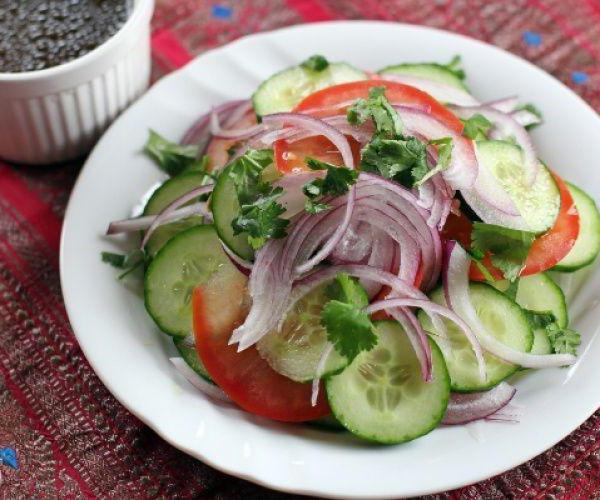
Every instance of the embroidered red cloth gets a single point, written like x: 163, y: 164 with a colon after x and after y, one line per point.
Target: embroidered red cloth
x: 72, y: 438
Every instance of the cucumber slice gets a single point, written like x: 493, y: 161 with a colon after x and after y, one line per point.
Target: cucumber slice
x: 285, y: 89
x: 538, y: 204
x: 296, y: 349
x: 429, y: 71
x: 171, y: 190
x: 541, y: 342
x: 587, y: 246
x: 190, y: 356
x: 502, y: 318
x: 539, y: 293
x: 381, y: 396
x: 191, y: 258
x: 225, y: 207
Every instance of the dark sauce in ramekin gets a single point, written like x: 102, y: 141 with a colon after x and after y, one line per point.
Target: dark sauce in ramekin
x: 39, y: 34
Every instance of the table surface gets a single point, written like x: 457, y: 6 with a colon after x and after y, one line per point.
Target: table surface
x: 71, y: 438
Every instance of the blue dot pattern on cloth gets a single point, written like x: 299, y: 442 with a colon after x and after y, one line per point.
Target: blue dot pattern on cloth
x: 8, y: 456
x: 221, y: 11
x: 579, y: 77
x: 532, y: 38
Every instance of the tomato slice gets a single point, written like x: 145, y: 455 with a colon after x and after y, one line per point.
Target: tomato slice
x: 244, y: 376
x: 291, y: 157
x: 336, y: 100
x: 546, y: 251
x: 553, y: 246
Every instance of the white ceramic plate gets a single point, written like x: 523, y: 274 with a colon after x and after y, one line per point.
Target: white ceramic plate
x: 131, y: 356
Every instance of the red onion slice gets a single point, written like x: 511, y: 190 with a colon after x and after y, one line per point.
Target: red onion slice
x: 319, y: 370
x: 505, y: 104
x: 456, y: 287
x: 462, y: 172
x: 465, y: 408
x: 145, y: 221
x: 199, y: 132
x: 525, y: 118
x: 198, y: 382
x: 233, y: 134
x: 441, y: 91
x: 174, y: 205
x: 508, y: 127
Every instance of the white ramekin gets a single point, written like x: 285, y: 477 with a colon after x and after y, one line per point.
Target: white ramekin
x: 58, y: 113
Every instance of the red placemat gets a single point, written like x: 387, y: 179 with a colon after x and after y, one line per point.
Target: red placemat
x: 71, y: 438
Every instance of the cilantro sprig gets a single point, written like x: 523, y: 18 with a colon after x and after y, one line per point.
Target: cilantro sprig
x: 508, y: 247
x: 562, y: 340
x: 337, y: 181
x: 377, y: 108
x: 316, y: 63
x: 349, y: 328
x: 445, y: 145
x: 175, y: 158
x: 129, y: 262
x: 260, y: 211
x: 476, y: 127
x: 389, y: 153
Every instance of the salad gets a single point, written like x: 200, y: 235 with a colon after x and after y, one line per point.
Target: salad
x: 371, y: 252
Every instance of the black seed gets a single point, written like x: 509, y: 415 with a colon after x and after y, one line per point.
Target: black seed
x: 38, y: 34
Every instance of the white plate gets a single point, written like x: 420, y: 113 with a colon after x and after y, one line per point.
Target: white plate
x: 131, y: 356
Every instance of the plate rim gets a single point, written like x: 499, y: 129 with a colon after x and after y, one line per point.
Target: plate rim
x: 162, y: 431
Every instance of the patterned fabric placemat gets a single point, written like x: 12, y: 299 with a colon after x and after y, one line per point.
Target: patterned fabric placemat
x: 62, y: 435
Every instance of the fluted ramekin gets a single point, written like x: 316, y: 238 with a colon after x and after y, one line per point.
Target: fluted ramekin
x: 58, y: 113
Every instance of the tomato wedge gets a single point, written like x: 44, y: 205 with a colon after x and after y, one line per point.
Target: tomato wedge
x: 554, y: 245
x: 546, y: 251
x: 291, y: 157
x: 335, y: 100
x: 244, y: 376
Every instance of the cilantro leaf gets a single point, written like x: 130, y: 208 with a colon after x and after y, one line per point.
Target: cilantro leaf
x: 336, y: 182
x: 454, y: 67
x: 349, y: 328
x: 509, y: 247
x: 563, y: 340
x: 445, y: 147
x: 315, y: 63
x: 477, y: 127
x: 129, y: 261
x: 171, y: 157
x: 378, y: 108
x: 313, y: 207
x: 348, y: 290
x: 260, y: 212
x: 533, y: 110
x: 402, y: 159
